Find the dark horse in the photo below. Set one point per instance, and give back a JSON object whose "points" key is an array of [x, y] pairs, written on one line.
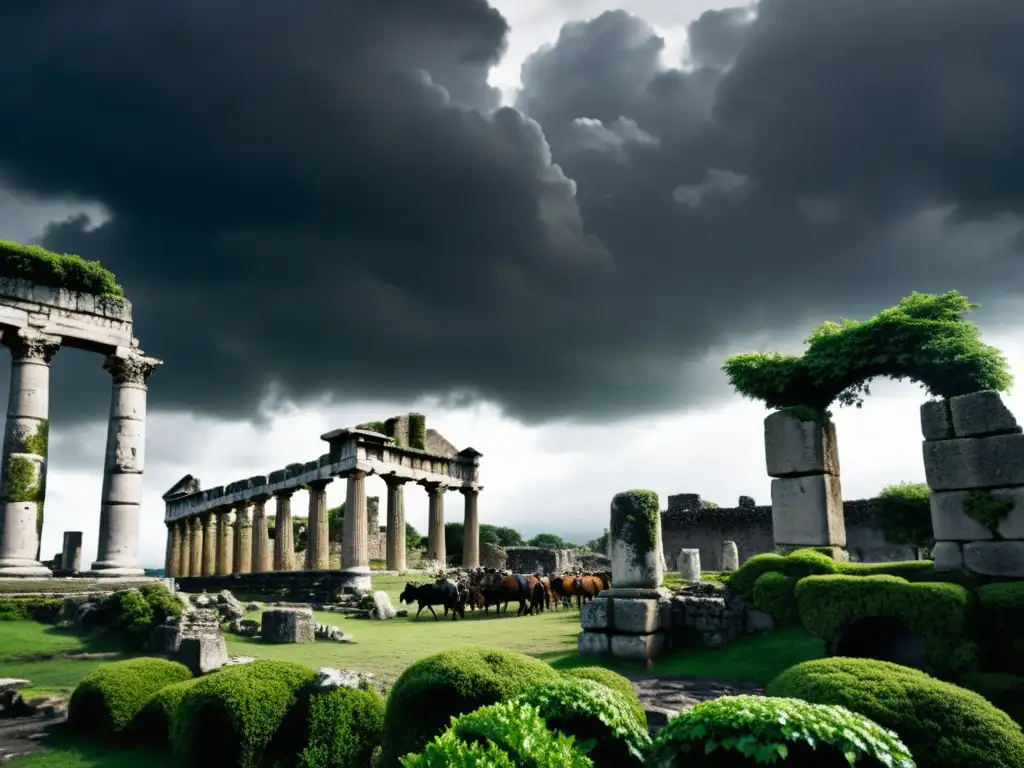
{"points": [[443, 593], [516, 588]]}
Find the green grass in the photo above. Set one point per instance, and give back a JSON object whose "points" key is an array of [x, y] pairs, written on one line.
{"points": [[62, 752]]}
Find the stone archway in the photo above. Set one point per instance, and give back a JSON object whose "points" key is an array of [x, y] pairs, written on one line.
{"points": [[881, 638]]}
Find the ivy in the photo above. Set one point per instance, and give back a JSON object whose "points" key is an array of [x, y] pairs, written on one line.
{"points": [[39, 442], [43, 267], [904, 514], [984, 508], [417, 431], [634, 520], [22, 480], [373, 426]]}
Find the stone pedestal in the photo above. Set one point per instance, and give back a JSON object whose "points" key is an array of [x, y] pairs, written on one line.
{"points": [[974, 464], [71, 554], [730, 556], [395, 544]]}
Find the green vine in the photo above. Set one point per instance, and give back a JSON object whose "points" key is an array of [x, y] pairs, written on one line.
{"points": [[22, 480], [39, 442], [984, 508]]}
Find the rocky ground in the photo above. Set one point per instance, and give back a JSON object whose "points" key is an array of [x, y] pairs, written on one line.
{"points": [[665, 697]]}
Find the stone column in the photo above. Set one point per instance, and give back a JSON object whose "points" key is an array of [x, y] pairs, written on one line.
{"points": [[121, 497], [635, 531], [71, 554], [318, 544], [185, 561], [198, 547], [242, 560], [209, 544], [354, 545], [395, 555], [471, 529], [173, 550], [284, 547], [262, 554], [225, 541], [807, 497], [435, 523], [23, 473]]}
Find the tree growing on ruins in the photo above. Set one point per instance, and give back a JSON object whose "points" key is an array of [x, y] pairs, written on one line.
{"points": [[924, 338]]}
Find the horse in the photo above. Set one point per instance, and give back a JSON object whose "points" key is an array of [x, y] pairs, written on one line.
{"points": [[561, 588], [586, 588], [443, 593], [538, 598], [511, 588]]}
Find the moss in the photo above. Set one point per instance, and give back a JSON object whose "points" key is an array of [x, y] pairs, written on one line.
{"points": [[45, 610], [417, 431], [774, 594], [1003, 691], [39, 442], [985, 509], [43, 267], [373, 426], [635, 518], [22, 479], [743, 578], [153, 723]]}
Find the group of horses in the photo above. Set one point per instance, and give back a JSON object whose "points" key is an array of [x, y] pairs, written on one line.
{"points": [[535, 593]]}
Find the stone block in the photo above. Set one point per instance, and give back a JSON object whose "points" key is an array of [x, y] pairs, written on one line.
{"points": [[995, 558], [793, 447], [808, 511], [951, 523], [688, 564], [981, 413], [287, 625], [637, 647], [936, 421], [758, 621], [636, 617], [597, 614], [594, 644], [636, 540], [165, 639], [974, 462], [203, 654], [947, 556], [730, 556]]}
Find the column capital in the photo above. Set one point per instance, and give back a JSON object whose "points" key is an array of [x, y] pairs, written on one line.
{"points": [[433, 486], [30, 345], [319, 485], [285, 493], [260, 500], [466, 490], [394, 480], [131, 369]]}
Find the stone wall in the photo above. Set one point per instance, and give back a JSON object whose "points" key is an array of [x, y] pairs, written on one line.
{"points": [[540, 560], [687, 524]]}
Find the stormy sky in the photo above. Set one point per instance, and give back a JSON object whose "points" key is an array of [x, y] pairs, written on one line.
{"points": [[550, 223]]}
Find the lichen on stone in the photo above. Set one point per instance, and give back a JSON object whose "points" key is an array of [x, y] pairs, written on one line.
{"points": [[634, 521], [984, 508]]}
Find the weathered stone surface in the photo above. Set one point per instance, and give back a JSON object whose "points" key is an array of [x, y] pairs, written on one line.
{"points": [[974, 462], [287, 625], [204, 654], [981, 413], [808, 511], [947, 556], [793, 447], [951, 523], [688, 564], [245, 627], [636, 617], [637, 553], [730, 556], [995, 558], [13, 684], [329, 679], [382, 608], [228, 607], [936, 420], [637, 647], [594, 644], [758, 621], [597, 614], [165, 639]]}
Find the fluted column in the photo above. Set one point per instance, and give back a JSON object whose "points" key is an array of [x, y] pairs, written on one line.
{"points": [[26, 439], [354, 545], [435, 522], [173, 550], [318, 542], [471, 529], [71, 554], [284, 547], [262, 554], [242, 560], [225, 541], [396, 524], [185, 556], [198, 547], [121, 497], [209, 544]]}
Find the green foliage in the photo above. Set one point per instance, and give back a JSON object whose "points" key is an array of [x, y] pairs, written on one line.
{"points": [[936, 612], [39, 441], [743, 578], [109, 698], [911, 570], [612, 680], [152, 724], [373, 426], [985, 509], [942, 724], [433, 690], [500, 535], [336, 523], [300, 531], [905, 514], [1003, 691], [809, 562], [133, 613], [412, 537], [549, 541], [593, 714], [22, 480], [775, 731], [40, 266], [45, 610], [227, 719], [600, 544], [773, 594], [709, 504], [923, 338], [453, 533], [1000, 625], [389, 429], [417, 431], [635, 518], [503, 735]]}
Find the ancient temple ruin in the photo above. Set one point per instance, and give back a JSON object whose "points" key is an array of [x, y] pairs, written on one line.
{"points": [[35, 322], [224, 530]]}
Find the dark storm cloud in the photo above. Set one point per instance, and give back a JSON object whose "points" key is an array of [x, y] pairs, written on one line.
{"points": [[320, 194]]}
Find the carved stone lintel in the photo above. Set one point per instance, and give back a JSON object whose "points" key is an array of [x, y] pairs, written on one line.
{"points": [[32, 345], [133, 369]]}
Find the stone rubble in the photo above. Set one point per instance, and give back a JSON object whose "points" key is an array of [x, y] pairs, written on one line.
{"points": [[287, 625], [382, 608]]}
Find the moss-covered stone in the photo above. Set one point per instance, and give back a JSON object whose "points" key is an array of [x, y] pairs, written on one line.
{"points": [[417, 431], [635, 517], [39, 443], [22, 480], [43, 267], [985, 509]]}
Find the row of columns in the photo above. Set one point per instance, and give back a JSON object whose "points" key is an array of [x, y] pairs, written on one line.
{"points": [[237, 540], [24, 458]]}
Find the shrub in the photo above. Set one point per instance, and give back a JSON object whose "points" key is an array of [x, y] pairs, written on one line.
{"points": [[743, 578], [109, 698], [936, 612], [905, 514], [942, 724], [1000, 625], [133, 613], [613, 680], [505, 735], [809, 562], [911, 570], [152, 724], [229, 718], [45, 610], [593, 713], [433, 690], [750, 730], [38, 265], [773, 594], [1003, 691]]}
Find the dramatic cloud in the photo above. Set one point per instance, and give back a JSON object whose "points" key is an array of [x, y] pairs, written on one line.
{"points": [[324, 196]]}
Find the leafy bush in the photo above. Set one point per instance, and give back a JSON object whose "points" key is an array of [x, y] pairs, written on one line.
{"points": [[905, 514], [936, 612], [133, 613], [433, 690], [505, 735], [595, 714], [743, 578], [751, 730], [613, 680], [152, 724], [45, 610], [809, 562], [1000, 625], [228, 719], [108, 699], [40, 266], [942, 724], [911, 570], [923, 338], [774, 594], [1003, 691]]}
